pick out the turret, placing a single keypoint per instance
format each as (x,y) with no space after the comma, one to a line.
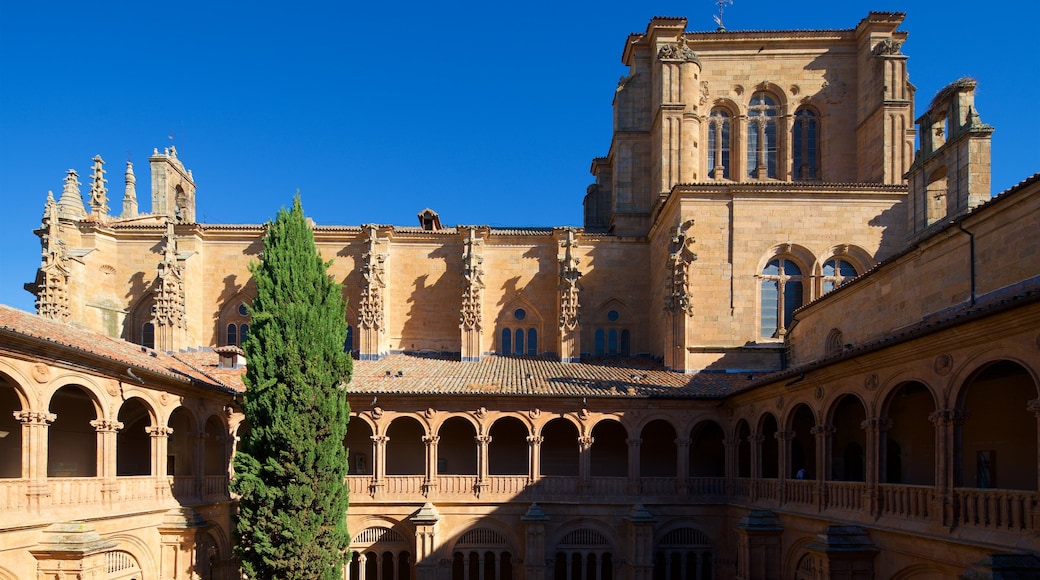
(173,189)
(130,195)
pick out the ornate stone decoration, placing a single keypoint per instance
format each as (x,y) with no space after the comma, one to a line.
(52,281)
(871,382)
(377,412)
(780,402)
(569,286)
(678,51)
(583,414)
(534,413)
(948,416)
(472,281)
(624,81)
(130,194)
(481,412)
(943,364)
(159,431)
(373,268)
(41,373)
(430,413)
(170,309)
(106,425)
(818,393)
(823,430)
(35,417)
(887,46)
(677,299)
(98,191)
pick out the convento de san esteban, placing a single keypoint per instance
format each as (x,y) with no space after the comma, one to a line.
(796,337)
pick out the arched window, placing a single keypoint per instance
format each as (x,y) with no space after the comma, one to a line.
(532,341)
(781,295)
(805,147)
(232,335)
(348,340)
(761,136)
(234,319)
(836,272)
(518,340)
(507,341)
(718,144)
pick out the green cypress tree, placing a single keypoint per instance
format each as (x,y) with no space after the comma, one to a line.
(291,466)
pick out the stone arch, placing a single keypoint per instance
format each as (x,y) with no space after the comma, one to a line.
(923,572)
(359,445)
(457,448)
(12,402)
(846,414)
(133,441)
(707,452)
(405,449)
(560,448)
(181,447)
(584,548)
(609,452)
(794,556)
(998,430)
(17,381)
(801,454)
(385,547)
(508,451)
(483,550)
(906,411)
(141,313)
(6,575)
(72,436)
(769,452)
(214,446)
(139,551)
(772,89)
(658,452)
(680,549)
(742,435)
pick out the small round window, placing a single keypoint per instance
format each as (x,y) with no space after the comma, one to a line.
(613,316)
(243,310)
(520,314)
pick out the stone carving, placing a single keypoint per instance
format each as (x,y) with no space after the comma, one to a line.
(106,425)
(677,299)
(41,372)
(98,191)
(35,417)
(583,414)
(780,402)
(818,393)
(534,413)
(569,286)
(624,81)
(52,281)
(481,412)
(159,431)
(473,281)
(373,268)
(377,412)
(887,46)
(679,52)
(948,416)
(170,309)
(943,364)
(705,92)
(430,413)
(871,382)
(164,399)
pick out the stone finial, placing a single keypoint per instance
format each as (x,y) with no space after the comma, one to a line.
(98,191)
(70,206)
(130,195)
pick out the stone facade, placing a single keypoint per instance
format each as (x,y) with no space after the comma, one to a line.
(782,345)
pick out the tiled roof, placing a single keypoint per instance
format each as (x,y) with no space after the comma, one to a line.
(16,323)
(418,374)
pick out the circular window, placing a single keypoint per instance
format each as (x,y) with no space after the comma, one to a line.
(520,314)
(613,316)
(243,310)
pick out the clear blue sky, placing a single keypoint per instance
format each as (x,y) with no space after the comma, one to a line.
(489,113)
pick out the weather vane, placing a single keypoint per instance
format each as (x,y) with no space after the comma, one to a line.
(718,19)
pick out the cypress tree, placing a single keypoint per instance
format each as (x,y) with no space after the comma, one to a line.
(291,466)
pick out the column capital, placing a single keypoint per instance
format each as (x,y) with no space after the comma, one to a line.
(535,440)
(683,441)
(634,442)
(756,438)
(876,424)
(380,439)
(106,425)
(485,439)
(35,417)
(159,431)
(785,435)
(428,440)
(586,442)
(945,417)
(823,430)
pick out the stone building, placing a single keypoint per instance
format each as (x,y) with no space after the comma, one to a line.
(784,344)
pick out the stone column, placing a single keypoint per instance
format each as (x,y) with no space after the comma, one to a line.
(34,456)
(732,447)
(106,458)
(943,509)
(585,464)
(378,463)
(483,441)
(430,485)
(1034,408)
(682,445)
(160,437)
(177,543)
(534,455)
(534,543)
(784,439)
(823,463)
(875,429)
(634,484)
(755,440)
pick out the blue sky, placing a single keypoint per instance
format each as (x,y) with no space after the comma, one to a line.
(489,113)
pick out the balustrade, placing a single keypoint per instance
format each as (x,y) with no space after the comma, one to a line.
(136,487)
(215,487)
(767,489)
(405,484)
(66,491)
(14,494)
(845,495)
(905,501)
(997,509)
(509,485)
(659,485)
(742,487)
(456,484)
(799,491)
(713,486)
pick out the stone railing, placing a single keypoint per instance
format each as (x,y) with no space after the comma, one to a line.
(742,487)
(609,486)
(137,487)
(904,501)
(767,489)
(14,494)
(66,491)
(405,484)
(183,486)
(997,509)
(845,495)
(506,485)
(706,486)
(658,485)
(215,487)
(799,491)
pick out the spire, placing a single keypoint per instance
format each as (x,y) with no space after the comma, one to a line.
(169,296)
(98,191)
(52,280)
(130,196)
(70,206)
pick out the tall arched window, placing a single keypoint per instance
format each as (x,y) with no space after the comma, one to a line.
(761,136)
(805,148)
(148,335)
(781,295)
(518,340)
(836,272)
(718,144)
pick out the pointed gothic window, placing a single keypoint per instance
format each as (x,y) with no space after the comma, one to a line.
(805,146)
(761,136)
